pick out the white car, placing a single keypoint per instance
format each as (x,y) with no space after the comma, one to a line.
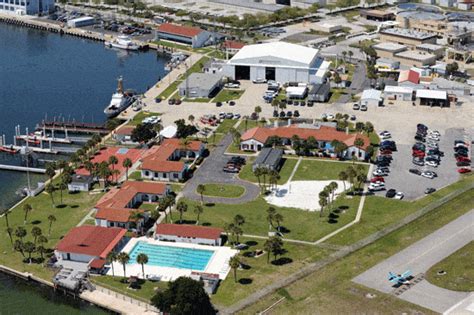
(460,145)
(379,173)
(376,186)
(232,85)
(433,137)
(259,81)
(222,115)
(428,174)
(363,107)
(399,195)
(431,144)
(324,116)
(385,133)
(434,133)
(330,117)
(431,163)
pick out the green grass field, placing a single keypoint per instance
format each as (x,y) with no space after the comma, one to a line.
(459,268)
(140,116)
(228,95)
(285,171)
(226,125)
(297,224)
(145,292)
(244,126)
(331,288)
(76,206)
(223,190)
(321,170)
(170,90)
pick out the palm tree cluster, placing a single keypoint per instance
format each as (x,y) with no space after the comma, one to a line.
(303,146)
(327,196)
(274,218)
(87,151)
(264,173)
(27,248)
(355,174)
(273,245)
(165,203)
(65,177)
(234,229)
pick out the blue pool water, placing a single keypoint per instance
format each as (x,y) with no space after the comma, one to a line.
(170,256)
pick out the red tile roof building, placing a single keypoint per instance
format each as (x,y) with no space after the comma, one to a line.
(116,206)
(189,234)
(86,243)
(409,76)
(193,36)
(254,139)
(162,162)
(233,46)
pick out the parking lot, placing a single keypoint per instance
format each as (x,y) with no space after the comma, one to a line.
(412,185)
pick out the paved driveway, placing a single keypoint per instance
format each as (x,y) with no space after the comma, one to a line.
(418,258)
(413,185)
(211,171)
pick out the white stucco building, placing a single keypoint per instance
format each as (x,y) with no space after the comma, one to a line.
(26,7)
(279,61)
(184,233)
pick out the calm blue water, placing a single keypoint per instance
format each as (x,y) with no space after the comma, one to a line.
(170,256)
(48,75)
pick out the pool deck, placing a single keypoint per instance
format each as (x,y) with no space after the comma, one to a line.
(218,264)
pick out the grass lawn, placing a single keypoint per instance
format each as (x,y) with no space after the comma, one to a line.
(170,90)
(75,207)
(285,171)
(321,170)
(197,100)
(217,54)
(140,116)
(380,212)
(226,125)
(297,224)
(459,268)
(336,94)
(244,126)
(137,175)
(145,292)
(148,206)
(173,45)
(214,139)
(331,288)
(223,190)
(228,95)
(260,273)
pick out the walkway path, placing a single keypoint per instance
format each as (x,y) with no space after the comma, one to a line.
(295,169)
(418,258)
(211,171)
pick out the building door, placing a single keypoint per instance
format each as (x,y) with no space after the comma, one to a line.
(242,72)
(270,73)
(68,256)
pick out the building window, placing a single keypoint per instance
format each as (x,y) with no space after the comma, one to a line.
(175,175)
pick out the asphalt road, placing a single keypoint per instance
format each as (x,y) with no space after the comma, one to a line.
(418,258)
(358,84)
(211,171)
(413,186)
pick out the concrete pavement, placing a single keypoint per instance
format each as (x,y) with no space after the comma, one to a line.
(418,258)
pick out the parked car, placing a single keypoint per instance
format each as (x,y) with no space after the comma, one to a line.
(231,103)
(296,114)
(429,190)
(237,116)
(177,101)
(259,81)
(463,163)
(275,114)
(353,117)
(461,145)
(459,141)
(464,170)
(419,138)
(462,159)
(218,104)
(385,133)
(421,127)
(419,146)
(376,186)
(171,101)
(418,161)
(356,106)
(229,115)
(414,171)
(429,174)
(434,132)
(363,107)
(390,193)
(232,85)
(435,152)
(399,195)
(431,163)
(433,137)
(377,179)
(379,172)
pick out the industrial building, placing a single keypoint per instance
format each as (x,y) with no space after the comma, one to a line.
(387,64)
(432,97)
(409,37)
(319,92)
(27,7)
(401,53)
(200,85)
(279,61)
(193,36)
(398,93)
(433,49)
(371,97)
(377,15)
(81,21)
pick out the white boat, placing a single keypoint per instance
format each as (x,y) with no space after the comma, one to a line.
(122,42)
(119,102)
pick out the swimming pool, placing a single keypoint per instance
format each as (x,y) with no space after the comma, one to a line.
(170,256)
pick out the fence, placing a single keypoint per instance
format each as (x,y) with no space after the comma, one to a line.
(125,298)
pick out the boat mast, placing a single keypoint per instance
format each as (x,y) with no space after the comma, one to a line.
(120,85)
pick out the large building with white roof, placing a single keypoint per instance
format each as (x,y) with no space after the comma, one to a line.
(279,61)
(26,7)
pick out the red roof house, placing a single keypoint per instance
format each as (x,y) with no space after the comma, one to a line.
(193,36)
(233,46)
(87,242)
(189,234)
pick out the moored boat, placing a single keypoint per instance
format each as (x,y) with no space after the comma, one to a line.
(120,101)
(122,42)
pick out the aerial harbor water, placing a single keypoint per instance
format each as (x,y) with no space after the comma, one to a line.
(44,75)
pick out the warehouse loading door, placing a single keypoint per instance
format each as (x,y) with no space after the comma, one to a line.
(242,72)
(270,73)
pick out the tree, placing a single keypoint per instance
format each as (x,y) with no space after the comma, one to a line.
(61,164)
(104,172)
(42,240)
(20,232)
(50,170)
(65,180)
(26,208)
(234,263)
(18,246)
(113,161)
(235,136)
(181,207)
(236,232)
(183,130)
(123,258)
(10,234)
(258,110)
(198,210)
(350,53)
(359,143)
(183,296)
(337,79)
(142,259)
(257,172)
(278,217)
(359,126)
(343,177)
(111,258)
(273,245)
(201,189)
(127,163)
(333,187)
(239,220)
(191,119)
(36,232)
(369,127)
(51,219)
(344,54)
(6,213)
(29,248)
(143,133)
(451,68)
(50,189)
(271,215)
(323,201)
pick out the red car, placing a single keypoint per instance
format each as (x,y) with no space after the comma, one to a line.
(377,179)
(463,159)
(464,170)
(419,154)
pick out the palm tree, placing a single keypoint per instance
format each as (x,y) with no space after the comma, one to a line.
(36,232)
(323,201)
(18,246)
(258,172)
(10,234)
(201,189)
(61,164)
(40,248)
(185,145)
(142,259)
(334,187)
(278,217)
(181,207)
(135,216)
(343,177)
(369,127)
(111,258)
(271,216)
(127,163)
(344,53)
(170,202)
(350,53)
(29,247)
(239,220)
(191,119)
(237,232)
(359,143)
(20,232)
(62,185)
(6,218)
(113,161)
(104,172)
(234,263)
(50,189)
(198,210)
(50,170)
(26,208)
(123,258)
(51,219)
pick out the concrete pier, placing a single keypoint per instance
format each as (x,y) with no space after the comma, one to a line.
(22,169)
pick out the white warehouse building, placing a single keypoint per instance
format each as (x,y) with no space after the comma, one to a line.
(279,61)
(26,7)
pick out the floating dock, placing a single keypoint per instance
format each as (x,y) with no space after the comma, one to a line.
(31,138)
(73,127)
